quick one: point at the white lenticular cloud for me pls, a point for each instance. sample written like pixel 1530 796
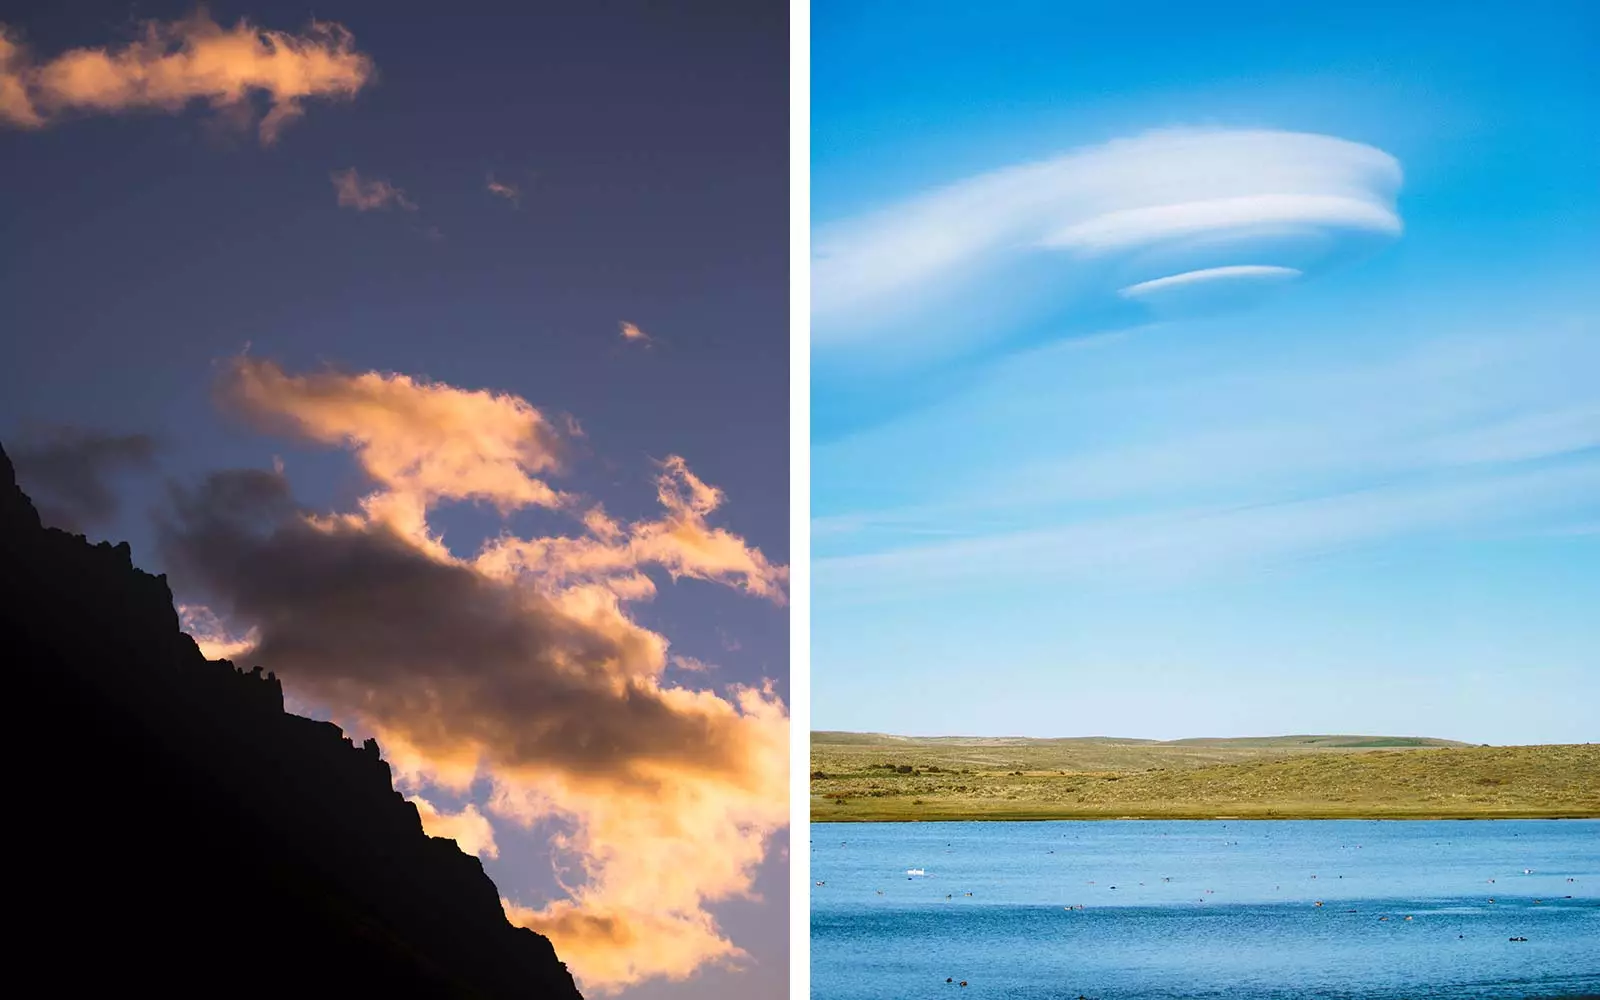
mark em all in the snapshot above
pixel 1210 275
pixel 1137 227
pixel 980 260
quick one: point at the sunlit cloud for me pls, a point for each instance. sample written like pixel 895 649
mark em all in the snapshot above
pixel 519 666
pixel 16 107
pixel 691 664
pixel 168 66
pixel 468 827
pixel 212 636
pixel 685 545
pixel 364 194
pixel 421 442
pixel 633 334
pixel 611 554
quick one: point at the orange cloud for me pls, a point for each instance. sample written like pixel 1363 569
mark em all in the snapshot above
pixel 652 855
pixel 364 195
pixel 608 944
pixel 16 107
pixel 518 666
pixel 633 334
pixel 172 65
pixel 209 633
pixel 612 554
pixel 468 828
pixel 422 442
pixel 686 546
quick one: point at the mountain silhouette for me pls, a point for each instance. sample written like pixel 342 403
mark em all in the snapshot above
pixel 178 830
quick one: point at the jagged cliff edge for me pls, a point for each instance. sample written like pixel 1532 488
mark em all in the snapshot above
pixel 183 831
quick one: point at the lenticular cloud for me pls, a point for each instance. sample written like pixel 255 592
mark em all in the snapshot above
pixel 1099 237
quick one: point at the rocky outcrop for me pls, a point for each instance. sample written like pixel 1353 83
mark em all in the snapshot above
pixel 176 830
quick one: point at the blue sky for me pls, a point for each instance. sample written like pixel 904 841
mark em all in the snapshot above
pixel 640 160
pixel 1204 371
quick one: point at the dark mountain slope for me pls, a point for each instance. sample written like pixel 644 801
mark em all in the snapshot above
pixel 175 829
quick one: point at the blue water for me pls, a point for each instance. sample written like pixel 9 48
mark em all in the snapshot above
pixel 1199 909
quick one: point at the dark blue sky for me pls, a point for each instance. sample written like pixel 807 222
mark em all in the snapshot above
pixel 650 145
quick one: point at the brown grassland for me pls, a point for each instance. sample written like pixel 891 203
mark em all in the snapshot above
pixel 873 777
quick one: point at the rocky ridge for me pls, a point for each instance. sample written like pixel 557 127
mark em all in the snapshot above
pixel 183 832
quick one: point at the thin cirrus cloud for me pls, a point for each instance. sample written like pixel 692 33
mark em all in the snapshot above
pixel 1462 435
pixel 169 66
pixel 519 665
pixel 1105 237
pixel 1181 544
pixel 367 194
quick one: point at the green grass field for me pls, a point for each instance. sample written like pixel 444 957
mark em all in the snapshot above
pixel 870 776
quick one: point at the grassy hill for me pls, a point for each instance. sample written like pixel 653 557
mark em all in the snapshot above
pixel 871 776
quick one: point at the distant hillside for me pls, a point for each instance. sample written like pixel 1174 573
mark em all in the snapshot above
pixel 180 834
pixel 836 738
pixel 1345 742
pixel 874 777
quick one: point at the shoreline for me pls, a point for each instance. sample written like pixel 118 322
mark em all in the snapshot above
pixel 1050 817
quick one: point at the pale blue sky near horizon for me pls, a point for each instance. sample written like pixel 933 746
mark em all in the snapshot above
pixel 1357 489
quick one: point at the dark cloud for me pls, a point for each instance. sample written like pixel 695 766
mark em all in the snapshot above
pixel 355 615
pixel 68 470
pixel 520 666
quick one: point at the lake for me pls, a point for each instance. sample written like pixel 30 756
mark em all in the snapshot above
pixel 1117 910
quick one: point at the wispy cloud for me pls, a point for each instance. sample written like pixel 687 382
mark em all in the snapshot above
pixel 366 194
pixel 69 470
pixel 1180 545
pixel 1463 435
pixel 171 65
pixel 633 335
pixel 503 189
pixel 692 665
pixel 1431 408
pixel 519 665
